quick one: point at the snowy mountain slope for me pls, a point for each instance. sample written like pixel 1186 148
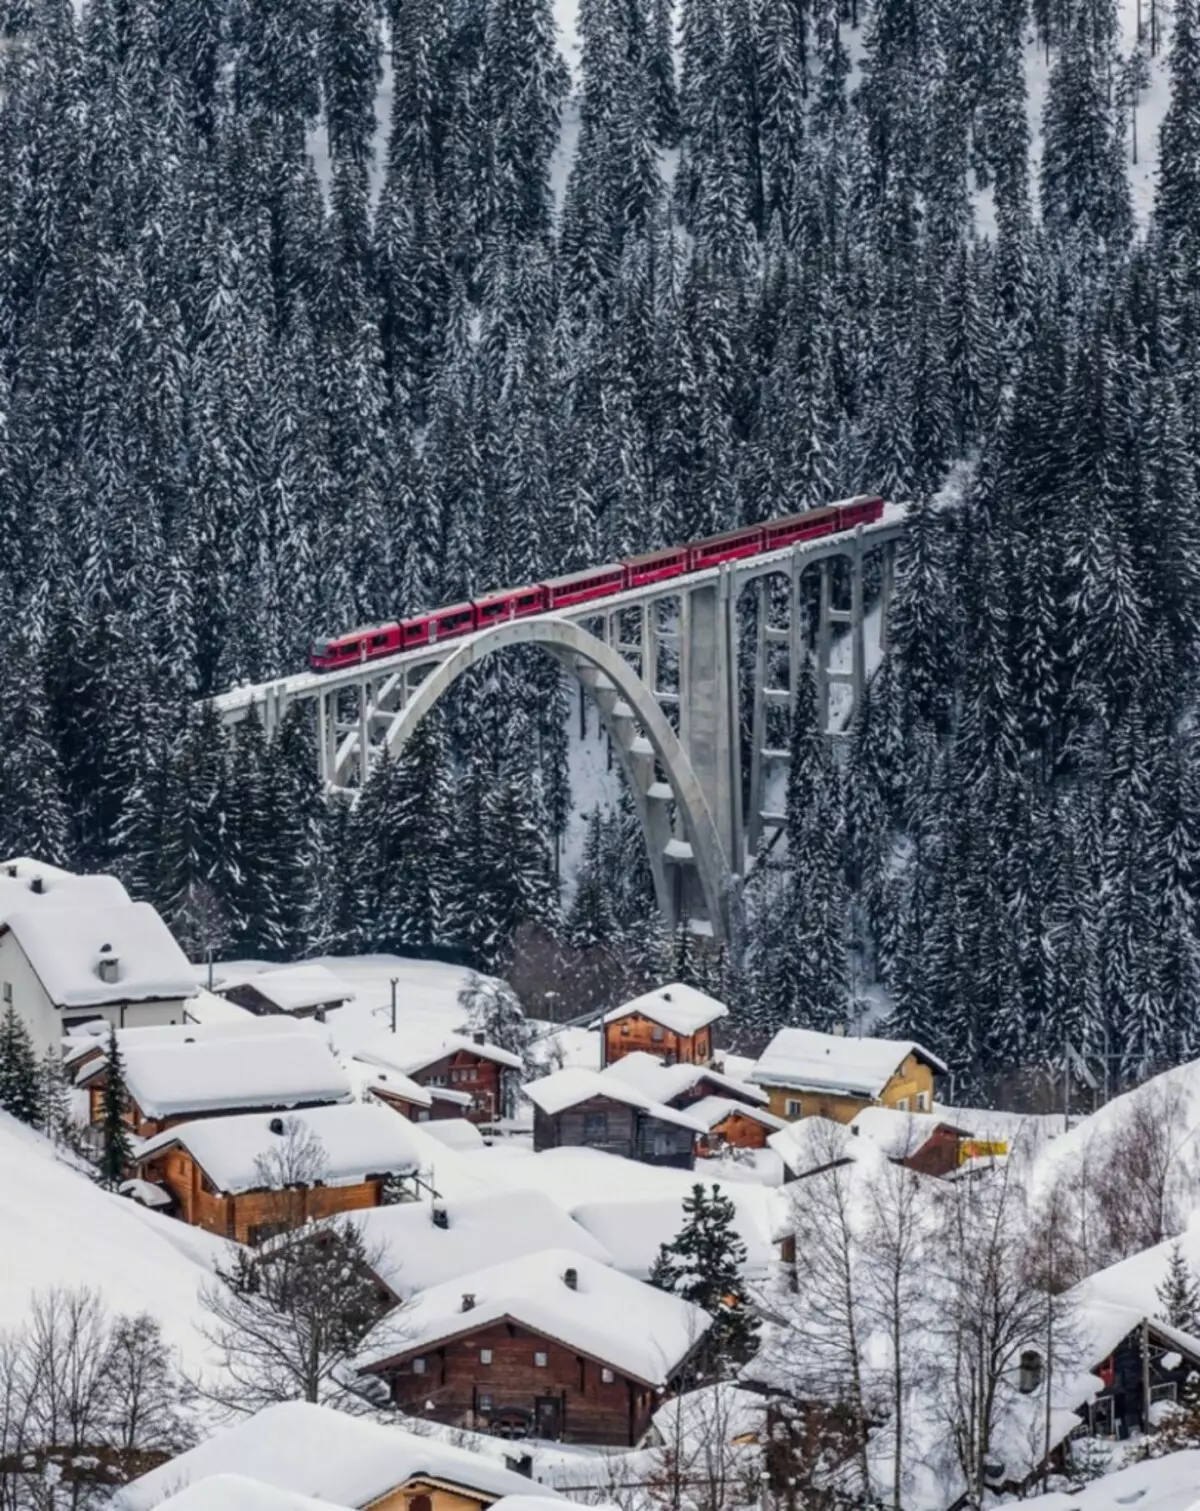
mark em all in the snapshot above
pixel 59 1230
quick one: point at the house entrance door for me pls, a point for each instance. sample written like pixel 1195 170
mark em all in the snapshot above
pixel 549 1417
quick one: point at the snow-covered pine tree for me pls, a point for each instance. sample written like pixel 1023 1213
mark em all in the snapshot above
pixel 704 1264
pixel 1179 1293
pixel 18 1068
pixel 116 1145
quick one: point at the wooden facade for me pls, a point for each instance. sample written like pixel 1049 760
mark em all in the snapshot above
pixel 249 996
pixel 507 1379
pixel 249 1216
pixel 737 1131
pixel 615 1128
pixel 636 1032
pixel 432 1495
pixel 1146 1367
pixel 464 1071
pixel 910 1089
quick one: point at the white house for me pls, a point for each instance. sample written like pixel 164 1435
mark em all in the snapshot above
pixel 75 948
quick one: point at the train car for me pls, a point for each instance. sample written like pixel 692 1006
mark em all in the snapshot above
pixel 864 510
pixel 362 644
pixel 655 566
pixel 730 546
pixel 582 587
pixel 513 603
pixel 809 525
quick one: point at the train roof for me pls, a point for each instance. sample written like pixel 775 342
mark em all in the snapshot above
pixel 361 629
pixel 648 556
pixel 585 576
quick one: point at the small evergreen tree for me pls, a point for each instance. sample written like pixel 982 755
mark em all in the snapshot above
pixel 18 1068
pixel 54 1099
pixel 1179 1293
pixel 116 1149
pixel 703 1264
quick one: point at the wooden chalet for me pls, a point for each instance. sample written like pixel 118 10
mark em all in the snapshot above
pixel 551 1345
pixel 464 1075
pixel 811 1074
pixel 733 1113
pixel 309 990
pixel 585 1109
pixel 217 1173
pixel 337 1460
pixel 673 1023
pixel 1148 1364
pixel 175 1081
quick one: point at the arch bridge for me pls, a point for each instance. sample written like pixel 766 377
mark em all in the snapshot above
pixel 663 667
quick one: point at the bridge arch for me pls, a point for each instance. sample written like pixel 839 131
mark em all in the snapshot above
pixel 590 660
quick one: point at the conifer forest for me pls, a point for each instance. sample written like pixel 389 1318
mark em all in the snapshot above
pixel 313 314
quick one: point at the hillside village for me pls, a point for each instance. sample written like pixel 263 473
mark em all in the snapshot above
pixel 357 1233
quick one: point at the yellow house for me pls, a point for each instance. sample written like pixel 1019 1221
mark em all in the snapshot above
pixel 341 1461
pixel 810 1074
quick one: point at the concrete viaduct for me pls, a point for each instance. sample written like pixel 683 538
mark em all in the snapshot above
pixel 661 665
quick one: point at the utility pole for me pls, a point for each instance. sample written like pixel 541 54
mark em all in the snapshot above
pixel 395 979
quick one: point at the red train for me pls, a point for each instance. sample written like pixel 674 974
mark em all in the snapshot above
pixel 366 643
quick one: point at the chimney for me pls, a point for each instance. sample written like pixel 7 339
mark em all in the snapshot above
pixel 12 870
pixel 478 1036
pixel 666 996
pixel 468 1304
pixel 106 968
pixel 838 1030
pixel 276 1126
pixel 441 1218
pixel 571 1279
pixel 36 885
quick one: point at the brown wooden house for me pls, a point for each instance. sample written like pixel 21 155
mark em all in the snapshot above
pixel 308 990
pixel 177 1081
pixel 552 1345
pixel 466 1076
pixel 587 1110
pixel 674 1023
pixel 733 1113
pixel 224 1174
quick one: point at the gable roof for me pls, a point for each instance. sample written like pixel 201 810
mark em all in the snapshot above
pixel 411 1253
pixel 812 1144
pixel 664 1083
pixel 65 946
pixel 359 1139
pixel 221 1073
pixel 679 1008
pixel 562 1089
pixel 639 1331
pixel 235 1492
pixel 634 1229
pixel 802 1059
pixel 92 1038
pixel 412 1053
pixel 713 1110
pixel 56 889
pixel 328 1455
pixel 293 988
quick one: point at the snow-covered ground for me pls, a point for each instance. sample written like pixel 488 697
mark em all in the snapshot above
pixel 1171 1483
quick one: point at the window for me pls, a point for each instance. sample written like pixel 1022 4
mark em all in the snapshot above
pixel 8 994
pixel 485 1356
pixel 485 1403
pixel 902 1105
pixel 657 1033
pixel 922 1101
pixel 1029 1374
pixel 420 1503
pixel 259 1232
pixel 1164 1392
pixel 625 1030
pixel 793 1107
pixel 418 1366
pixel 540 1360
pixel 606 1376
pixel 595 1127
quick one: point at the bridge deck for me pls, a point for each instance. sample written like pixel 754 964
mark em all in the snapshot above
pixel 236 703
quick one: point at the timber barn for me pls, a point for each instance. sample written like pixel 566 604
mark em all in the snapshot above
pixel 592 1110
pixel 551 1345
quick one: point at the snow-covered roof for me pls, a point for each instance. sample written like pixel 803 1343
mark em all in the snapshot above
pixel 328 1455
pixel 29 885
pixel 65 947
pixel 680 1009
pixel 235 1492
pixel 455 1133
pixel 91 1038
pixel 413 1053
pixel 634 1230
pixel 694 1419
pixel 410 1252
pixel 899 1134
pixel 220 1074
pixel 664 1083
pixel 567 1088
pixel 293 988
pixel 713 1110
pixel 358 1140
pixel 396 1084
pixel 803 1059
pixel 639 1331
pixel 812 1143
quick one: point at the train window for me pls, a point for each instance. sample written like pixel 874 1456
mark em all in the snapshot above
pixel 379 639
